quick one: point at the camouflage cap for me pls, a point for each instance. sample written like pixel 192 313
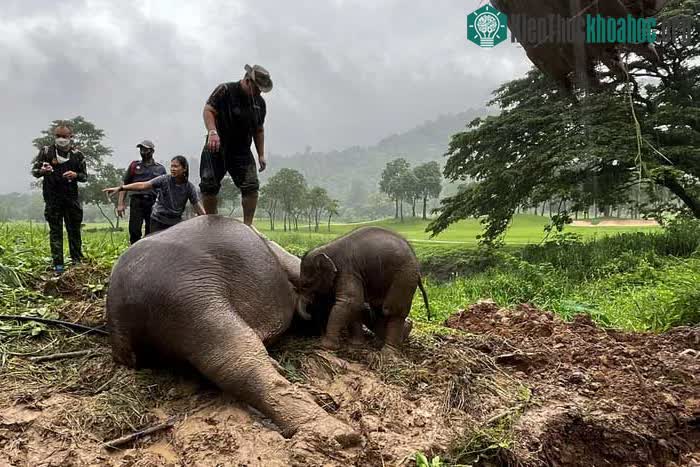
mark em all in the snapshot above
pixel 260 76
pixel 146 144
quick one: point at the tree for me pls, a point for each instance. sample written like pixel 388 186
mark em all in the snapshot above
pixel 331 209
pixel 229 195
pixel 269 200
pixel 107 176
pixel 390 182
pixel 406 190
pixel 318 202
pixel 587 151
pixel 429 182
pixel 288 186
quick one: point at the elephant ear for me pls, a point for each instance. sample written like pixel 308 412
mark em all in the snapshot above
pixel 325 266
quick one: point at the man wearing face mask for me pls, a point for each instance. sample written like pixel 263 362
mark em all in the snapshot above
pixel 62 166
pixel 141 202
pixel 234 116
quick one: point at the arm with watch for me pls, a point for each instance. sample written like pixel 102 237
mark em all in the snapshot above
pixel 213 141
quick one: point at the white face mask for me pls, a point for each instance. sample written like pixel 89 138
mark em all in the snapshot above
pixel 63 143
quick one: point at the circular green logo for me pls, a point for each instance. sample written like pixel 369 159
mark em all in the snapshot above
pixel 487 27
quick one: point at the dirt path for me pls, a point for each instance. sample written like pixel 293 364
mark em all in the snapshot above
pixel 617 223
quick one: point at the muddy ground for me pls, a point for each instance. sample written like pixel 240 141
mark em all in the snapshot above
pixel 491 387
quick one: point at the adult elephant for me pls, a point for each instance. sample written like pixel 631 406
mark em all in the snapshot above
pixel 212 292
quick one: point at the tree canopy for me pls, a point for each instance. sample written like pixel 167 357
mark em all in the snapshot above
pixel 641 133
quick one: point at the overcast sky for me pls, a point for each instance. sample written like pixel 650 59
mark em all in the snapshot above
pixel 345 72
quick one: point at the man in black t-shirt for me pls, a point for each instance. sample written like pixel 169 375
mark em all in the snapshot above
pixel 234 116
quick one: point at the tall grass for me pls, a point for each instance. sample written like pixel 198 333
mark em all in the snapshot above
pixel 636 280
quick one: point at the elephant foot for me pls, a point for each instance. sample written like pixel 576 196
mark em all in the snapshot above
pixel 328 429
pixel 330 343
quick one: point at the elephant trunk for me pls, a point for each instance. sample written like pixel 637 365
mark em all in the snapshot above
pixel 302 308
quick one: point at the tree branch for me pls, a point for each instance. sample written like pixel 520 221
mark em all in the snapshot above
pixel 677 189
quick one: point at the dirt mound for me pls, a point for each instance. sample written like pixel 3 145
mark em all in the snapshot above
pixel 600 395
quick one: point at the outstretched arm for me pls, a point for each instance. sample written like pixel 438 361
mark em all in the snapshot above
pixel 138 186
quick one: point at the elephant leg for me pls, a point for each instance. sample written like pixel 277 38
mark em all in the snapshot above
pixel 357 333
pixel 397 306
pixel 230 354
pixel 378 326
pixel 347 309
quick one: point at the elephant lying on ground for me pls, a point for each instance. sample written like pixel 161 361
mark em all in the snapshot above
pixel 211 292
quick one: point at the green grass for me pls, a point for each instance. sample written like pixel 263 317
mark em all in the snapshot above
pixel 632 278
pixel 525 229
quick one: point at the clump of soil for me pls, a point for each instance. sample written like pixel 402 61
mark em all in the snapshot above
pixel 600 397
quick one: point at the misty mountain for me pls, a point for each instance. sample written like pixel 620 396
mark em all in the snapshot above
pixel 352 173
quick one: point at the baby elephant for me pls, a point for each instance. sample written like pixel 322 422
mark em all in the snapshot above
pixel 369 265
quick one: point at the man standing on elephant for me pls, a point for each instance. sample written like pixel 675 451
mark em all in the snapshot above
pixel 234 116
pixel 140 203
pixel 62 166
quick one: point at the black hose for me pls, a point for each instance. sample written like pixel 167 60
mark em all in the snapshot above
pixel 67 324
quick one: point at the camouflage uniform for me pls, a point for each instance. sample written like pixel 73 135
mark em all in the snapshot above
pixel 61 200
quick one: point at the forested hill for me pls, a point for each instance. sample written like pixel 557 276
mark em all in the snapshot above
pixel 359 168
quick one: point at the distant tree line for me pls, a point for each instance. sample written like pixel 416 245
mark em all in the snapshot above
pixel 403 184
pixel 287 197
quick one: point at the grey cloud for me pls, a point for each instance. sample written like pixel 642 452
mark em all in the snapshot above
pixel 345 73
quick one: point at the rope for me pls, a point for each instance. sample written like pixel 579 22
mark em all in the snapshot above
pixel 76 326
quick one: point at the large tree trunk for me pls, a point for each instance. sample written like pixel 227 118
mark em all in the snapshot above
pixel 414 207
pixel 425 202
pixel 401 210
pixel 396 202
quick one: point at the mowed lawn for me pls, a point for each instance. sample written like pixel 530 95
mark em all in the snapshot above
pixel 524 229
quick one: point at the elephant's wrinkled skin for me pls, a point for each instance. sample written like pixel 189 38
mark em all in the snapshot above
pixel 211 292
pixel 369 265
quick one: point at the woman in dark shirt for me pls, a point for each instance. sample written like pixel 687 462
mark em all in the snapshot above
pixel 174 191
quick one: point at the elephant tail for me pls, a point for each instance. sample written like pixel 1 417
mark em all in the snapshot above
pixel 425 297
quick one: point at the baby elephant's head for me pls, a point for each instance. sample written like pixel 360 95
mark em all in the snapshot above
pixel 318 274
